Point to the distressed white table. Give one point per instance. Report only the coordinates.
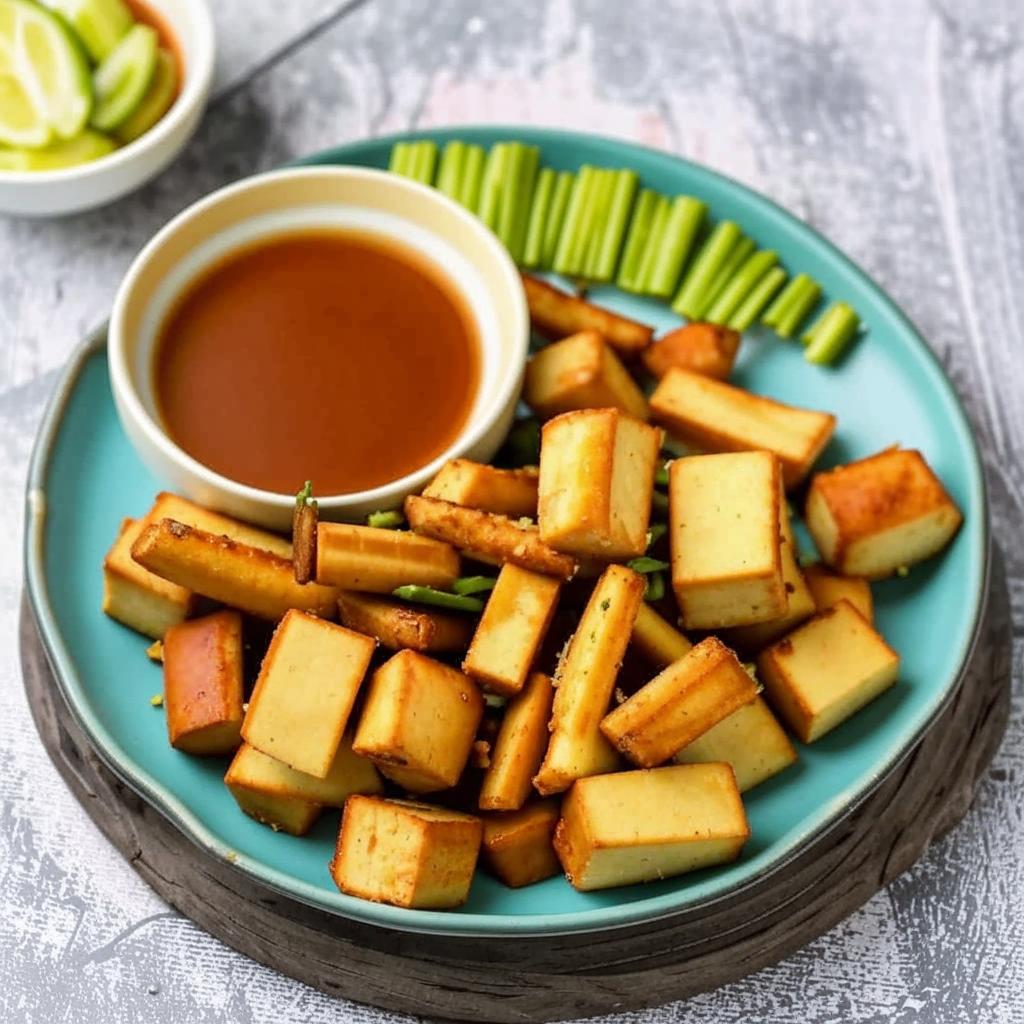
(896, 129)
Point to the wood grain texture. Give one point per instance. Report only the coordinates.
(897, 129)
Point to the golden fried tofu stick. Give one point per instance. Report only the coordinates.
(506, 492)
(396, 625)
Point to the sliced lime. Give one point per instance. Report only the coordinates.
(123, 79)
(44, 78)
(87, 145)
(157, 101)
(100, 24)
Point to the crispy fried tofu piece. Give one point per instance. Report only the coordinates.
(305, 691)
(827, 588)
(292, 814)
(511, 629)
(136, 597)
(724, 528)
(653, 823)
(487, 537)
(419, 722)
(597, 471)
(585, 680)
(250, 579)
(557, 314)
(707, 349)
(874, 516)
(203, 683)
(377, 561)
(396, 625)
(716, 417)
(750, 739)
(506, 492)
(404, 853)
(519, 747)
(681, 703)
(826, 670)
(659, 641)
(580, 372)
(517, 845)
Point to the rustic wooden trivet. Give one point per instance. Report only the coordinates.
(560, 977)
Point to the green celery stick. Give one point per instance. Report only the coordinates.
(795, 314)
(684, 221)
(757, 299)
(594, 222)
(472, 177)
(636, 239)
(741, 285)
(399, 157)
(556, 218)
(654, 240)
(521, 217)
(426, 162)
(449, 174)
(511, 183)
(743, 249)
(491, 187)
(438, 598)
(578, 201)
(831, 334)
(540, 205)
(786, 298)
(474, 584)
(623, 194)
(712, 255)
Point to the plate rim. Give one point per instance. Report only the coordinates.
(469, 924)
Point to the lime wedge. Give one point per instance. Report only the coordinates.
(123, 79)
(44, 78)
(87, 145)
(100, 24)
(157, 101)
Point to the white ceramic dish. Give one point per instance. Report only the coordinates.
(412, 215)
(73, 189)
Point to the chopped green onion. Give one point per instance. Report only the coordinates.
(474, 584)
(684, 220)
(491, 187)
(559, 205)
(438, 598)
(157, 700)
(752, 305)
(655, 590)
(828, 338)
(623, 194)
(472, 177)
(637, 239)
(661, 474)
(645, 564)
(540, 205)
(655, 533)
(659, 501)
(798, 309)
(569, 237)
(522, 446)
(741, 286)
(305, 496)
(701, 274)
(654, 240)
(452, 169)
(390, 520)
(786, 298)
(743, 248)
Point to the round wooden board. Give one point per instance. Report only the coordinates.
(559, 977)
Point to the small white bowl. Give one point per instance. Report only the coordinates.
(54, 193)
(458, 245)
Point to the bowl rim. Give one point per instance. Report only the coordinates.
(472, 432)
(198, 80)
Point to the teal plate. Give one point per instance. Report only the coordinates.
(85, 477)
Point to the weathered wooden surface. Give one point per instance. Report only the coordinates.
(897, 129)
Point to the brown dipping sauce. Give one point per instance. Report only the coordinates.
(332, 356)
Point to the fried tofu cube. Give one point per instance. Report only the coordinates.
(251, 579)
(597, 471)
(305, 691)
(827, 588)
(724, 529)
(874, 516)
(510, 631)
(681, 703)
(292, 814)
(506, 492)
(519, 747)
(406, 854)
(377, 561)
(585, 680)
(716, 417)
(826, 670)
(419, 722)
(649, 824)
(487, 537)
(395, 625)
(659, 641)
(517, 845)
(580, 372)
(557, 314)
(136, 597)
(707, 349)
(203, 683)
(750, 739)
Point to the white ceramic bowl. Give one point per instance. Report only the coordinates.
(458, 245)
(52, 193)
